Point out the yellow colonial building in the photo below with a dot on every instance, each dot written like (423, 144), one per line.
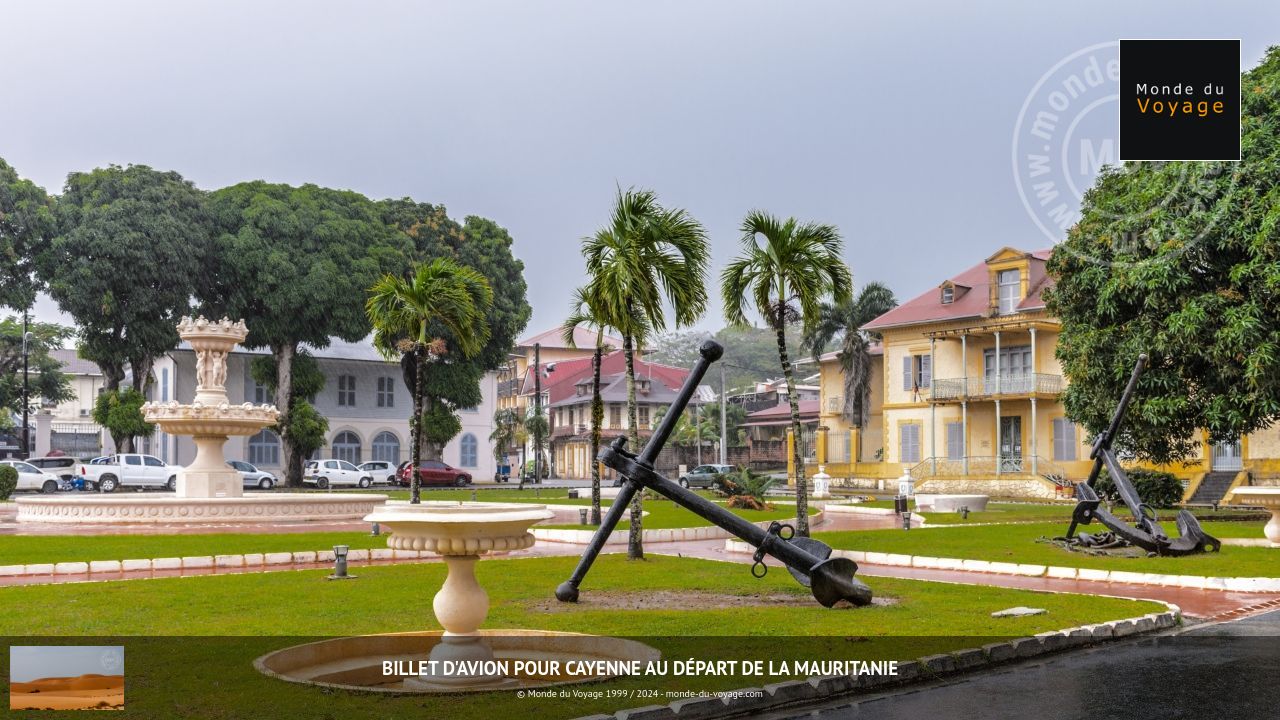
(965, 398)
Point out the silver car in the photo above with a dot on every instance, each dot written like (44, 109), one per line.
(704, 475)
(252, 476)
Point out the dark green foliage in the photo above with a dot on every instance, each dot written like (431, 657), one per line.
(119, 411)
(131, 245)
(44, 374)
(1156, 488)
(307, 377)
(26, 224)
(1181, 261)
(307, 427)
(746, 489)
(8, 481)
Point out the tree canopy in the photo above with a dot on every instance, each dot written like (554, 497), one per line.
(1180, 261)
(44, 373)
(131, 245)
(26, 224)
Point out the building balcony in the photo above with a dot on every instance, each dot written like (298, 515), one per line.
(947, 390)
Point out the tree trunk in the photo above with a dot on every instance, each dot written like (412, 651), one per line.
(597, 417)
(797, 432)
(635, 538)
(284, 403)
(142, 373)
(415, 427)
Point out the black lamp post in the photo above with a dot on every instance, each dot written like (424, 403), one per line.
(26, 390)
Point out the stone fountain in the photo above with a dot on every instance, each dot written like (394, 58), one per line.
(461, 533)
(208, 491)
(1265, 497)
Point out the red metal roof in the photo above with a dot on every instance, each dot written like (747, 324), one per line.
(971, 303)
(583, 338)
(782, 413)
(559, 383)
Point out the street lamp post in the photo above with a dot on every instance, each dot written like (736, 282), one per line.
(26, 390)
(723, 433)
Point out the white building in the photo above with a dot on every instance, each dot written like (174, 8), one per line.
(364, 399)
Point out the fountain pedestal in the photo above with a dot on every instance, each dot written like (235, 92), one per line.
(1266, 497)
(460, 533)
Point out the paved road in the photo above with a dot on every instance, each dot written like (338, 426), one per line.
(1213, 672)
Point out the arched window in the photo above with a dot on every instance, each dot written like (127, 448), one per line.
(346, 446)
(468, 451)
(264, 448)
(386, 446)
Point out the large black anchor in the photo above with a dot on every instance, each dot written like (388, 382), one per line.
(1145, 532)
(830, 579)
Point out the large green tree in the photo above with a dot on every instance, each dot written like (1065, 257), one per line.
(646, 258)
(131, 245)
(26, 224)
(307, 427)
(295, 264)
(785, 271)
(485, 247)
(404, 311)
(45, 378)
(843, 321)
(1181, 261)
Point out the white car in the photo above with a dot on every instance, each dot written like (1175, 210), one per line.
(130, 470)
(326, 473)
(31, 477)
(381, 470)
(252, 476)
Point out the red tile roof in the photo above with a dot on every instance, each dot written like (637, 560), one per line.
(559, 383)
(971, 303)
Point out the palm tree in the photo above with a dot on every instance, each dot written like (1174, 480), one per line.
(586, 311)
(408, 312)
(645, 258)
(504, 433)
(786, 277)
(844, 320)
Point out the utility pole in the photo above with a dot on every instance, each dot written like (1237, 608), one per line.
(724, 436)
(26, 390)
(697, 428)
(537, 409)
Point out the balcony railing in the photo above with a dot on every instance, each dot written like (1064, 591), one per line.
(986, 466)
(1006, 385)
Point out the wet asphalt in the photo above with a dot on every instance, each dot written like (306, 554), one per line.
(1226, 671)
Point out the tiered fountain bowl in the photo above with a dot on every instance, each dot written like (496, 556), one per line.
(1266, 497)
(460, 532)
(208, 491)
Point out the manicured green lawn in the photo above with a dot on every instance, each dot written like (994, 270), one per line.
(663, 514)
(1008, 512)
(1018, 543)
(213, 677)
(30, 549)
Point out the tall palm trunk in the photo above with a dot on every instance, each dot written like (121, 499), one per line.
(415, 425)
(797, 457)
(635, 544)
(597, 417)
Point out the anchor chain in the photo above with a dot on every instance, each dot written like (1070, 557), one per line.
(777, 531)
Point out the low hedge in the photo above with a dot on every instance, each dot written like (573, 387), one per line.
(1156, 488)
(8, 481)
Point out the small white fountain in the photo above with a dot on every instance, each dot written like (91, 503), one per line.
(460, 532)
(208, 491)
(1265, 497)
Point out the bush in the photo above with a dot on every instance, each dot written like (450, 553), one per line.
(745, 490)
(8, 481)
(1156, 488)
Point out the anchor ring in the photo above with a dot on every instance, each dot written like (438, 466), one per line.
(764, 570)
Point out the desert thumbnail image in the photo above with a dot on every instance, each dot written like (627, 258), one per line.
(81, 692)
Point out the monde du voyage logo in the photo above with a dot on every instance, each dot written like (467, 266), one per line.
(1179, 100)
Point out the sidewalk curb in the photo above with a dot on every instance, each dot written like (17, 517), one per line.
(751, 701)
(105, 569)
(1233, 584)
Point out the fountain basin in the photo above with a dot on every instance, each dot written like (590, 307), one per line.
(459, 528)
(170, 509)
(1266, 497)
(356, 663)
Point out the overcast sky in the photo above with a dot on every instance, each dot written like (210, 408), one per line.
(892, 120)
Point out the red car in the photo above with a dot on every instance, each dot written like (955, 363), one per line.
(434, 472)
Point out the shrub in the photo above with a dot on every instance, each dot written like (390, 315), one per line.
(1156, 488)
(8, 481)
(744, 490)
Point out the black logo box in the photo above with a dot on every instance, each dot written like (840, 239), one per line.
(1161, 77)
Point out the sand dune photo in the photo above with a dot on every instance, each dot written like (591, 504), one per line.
(54, 677)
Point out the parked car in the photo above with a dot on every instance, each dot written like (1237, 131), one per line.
(131, 470)
(703, 476)
(31, 477)
(252, 476)
(381, 470)
(326, 473)
(434, 472)
(63, 466)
